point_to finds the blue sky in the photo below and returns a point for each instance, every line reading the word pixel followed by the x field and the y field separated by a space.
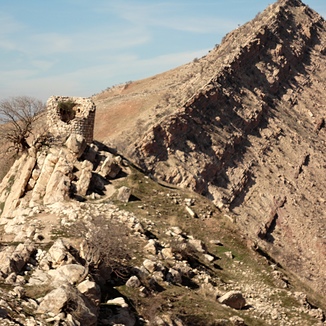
pixel 81 47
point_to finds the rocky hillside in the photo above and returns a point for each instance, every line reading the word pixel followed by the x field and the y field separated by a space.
pixel 201 202
pixel 243 126
pixel 88 239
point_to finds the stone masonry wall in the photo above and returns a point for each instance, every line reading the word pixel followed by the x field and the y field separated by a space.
pixel 67 115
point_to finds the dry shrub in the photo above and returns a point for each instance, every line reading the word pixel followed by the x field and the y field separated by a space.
pixel 108 244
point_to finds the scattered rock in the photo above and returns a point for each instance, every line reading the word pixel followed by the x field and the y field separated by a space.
pixel 118 302
pixel 198 245
pixel 167 253
pixel 150 265
pixel 151 247
pixel 237 321
pixel 191 212
pixel 229 254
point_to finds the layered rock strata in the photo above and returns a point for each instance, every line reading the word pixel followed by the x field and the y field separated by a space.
pixel 252 138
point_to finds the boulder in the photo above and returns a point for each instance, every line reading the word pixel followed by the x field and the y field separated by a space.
pixel 150 265
pixel 48 166
pixel 65 298
pixel 76 143
pixel 167 253
pixel 14 184
pixel 198 245
pixel 119 301
pixel 85 177
pixel 174 276
pixel 111 166
pixel 233 299
pixel 133 282
pixel 13 261
pixel 54 301
pixel 71 273
pixel 151 247
pixel 191 212
pixel 57 255
pixel 91 290
pixel 124 194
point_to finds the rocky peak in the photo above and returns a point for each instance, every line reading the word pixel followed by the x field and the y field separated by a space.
pixel 251 138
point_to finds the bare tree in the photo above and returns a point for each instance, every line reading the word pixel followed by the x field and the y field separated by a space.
pixel 17 115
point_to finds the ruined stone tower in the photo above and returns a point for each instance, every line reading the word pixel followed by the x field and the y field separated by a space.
pixel 71 115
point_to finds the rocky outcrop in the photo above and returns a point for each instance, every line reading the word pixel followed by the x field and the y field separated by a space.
pixel 251 136
pixel 58 173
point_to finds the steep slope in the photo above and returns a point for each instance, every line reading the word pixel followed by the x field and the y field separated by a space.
pixel 251 138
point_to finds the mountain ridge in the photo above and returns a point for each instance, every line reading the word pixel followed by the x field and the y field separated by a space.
pixel 262 95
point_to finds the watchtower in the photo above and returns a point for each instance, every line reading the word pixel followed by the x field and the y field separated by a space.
pixel 67 115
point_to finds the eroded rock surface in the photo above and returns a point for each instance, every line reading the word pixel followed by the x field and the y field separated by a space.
pixel 252 139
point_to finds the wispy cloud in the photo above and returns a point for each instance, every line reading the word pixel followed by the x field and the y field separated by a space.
pixel 120 68
pixel 167 15
pixel 9 26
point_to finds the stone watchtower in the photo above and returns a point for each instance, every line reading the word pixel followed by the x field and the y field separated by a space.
pixel 71 115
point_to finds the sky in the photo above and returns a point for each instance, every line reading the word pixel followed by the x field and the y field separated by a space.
pixel 82 47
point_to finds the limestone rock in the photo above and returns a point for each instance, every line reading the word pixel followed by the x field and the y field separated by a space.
pixel 124 194
pixel 167 253
pixel 111 166
pixel 150 265
pixel 14 260
pixel 48 166
pixel 197 245
pixel 85 177
pixel 76 143
pixel 237 321
pixel 190 212
pixel 70 273
pixel 14 185
pixel 133 282
pixel 174 276
pixel 91 290
pixel 58 186
pixel 66 297
pixel 57 255
pixel 54 301
pixel 119 301
pixel 151 247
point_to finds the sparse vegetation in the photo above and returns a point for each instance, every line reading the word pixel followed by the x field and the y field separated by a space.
pixel 17 116
pixel 66 109
pixel 108 244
